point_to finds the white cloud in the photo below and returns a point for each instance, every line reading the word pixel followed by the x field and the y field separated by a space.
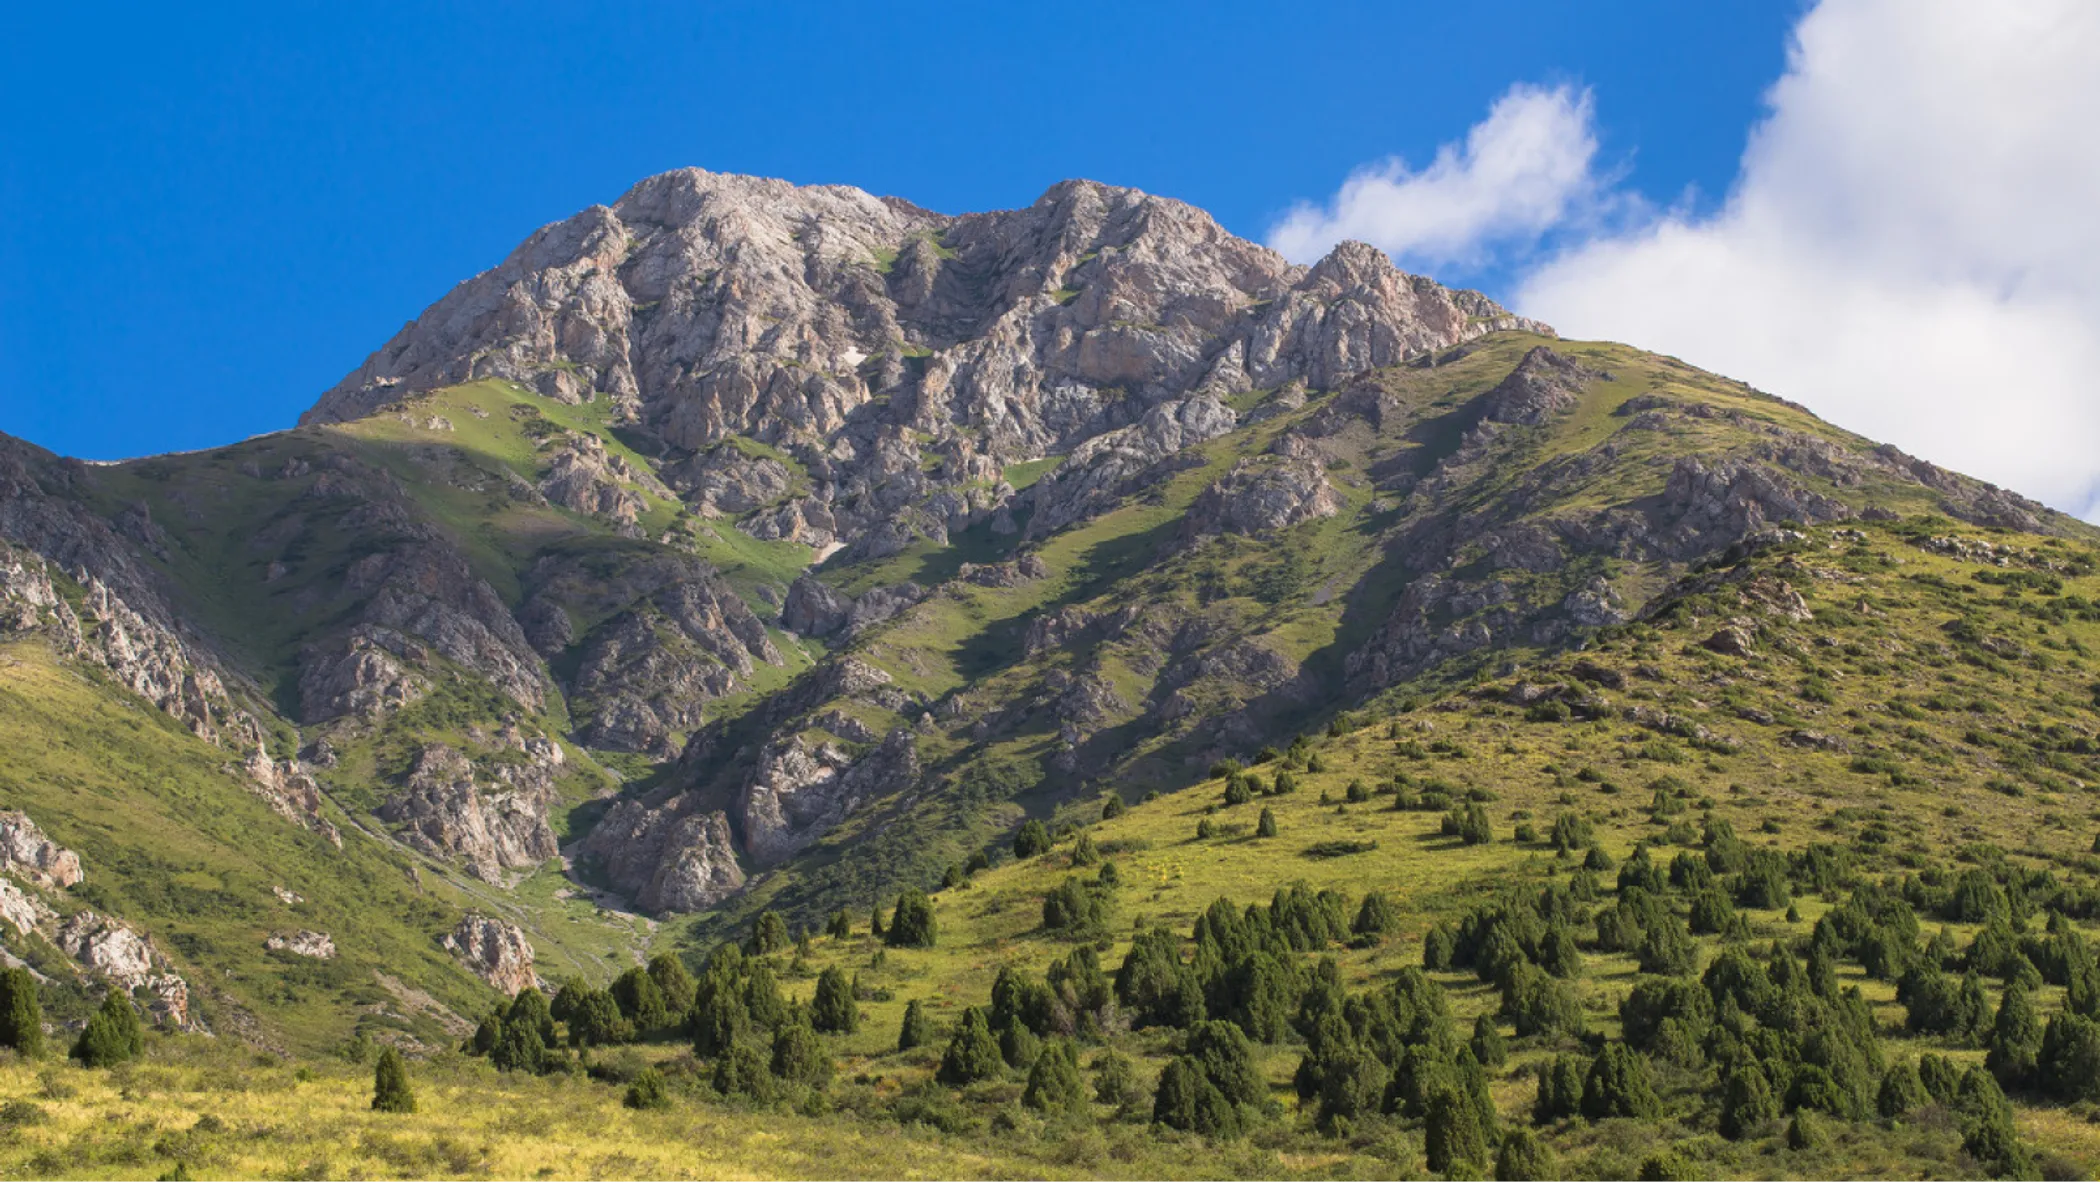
pixel 1911 248
pixel 1528 167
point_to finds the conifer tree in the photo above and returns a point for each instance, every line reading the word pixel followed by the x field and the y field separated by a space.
pixel 833 1010
pixel 1453 1141
pixel 21 1013
pixel 1054 1087
pixel 917 1030
pixel 647 1091
pixel 390 1090
pixel 674 982
pixel 972 1054
pixel 112 1035
pixel 913 926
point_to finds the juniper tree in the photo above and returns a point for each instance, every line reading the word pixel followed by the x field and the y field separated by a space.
pixel 833 1010
pixel 112 1034
pixel 21 1014
pixel 1266 826
pixel 640 1001
pixel 917 1030
pixel 799 1056
pixel 390 1090
pixel 1032 840
pixel 973 1053
pixel 647 1091
pixel 1525 1158
pixel 1453 1141
pixel 769 934
pixel 1054 1086
pixel 675 983
pixel 912 925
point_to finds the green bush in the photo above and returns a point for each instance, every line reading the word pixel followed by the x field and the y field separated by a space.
pixel 647 1091
pixel 972 1054
pixel 112 1035
pixel 390 1090
pixel 913 925
pixel 832 1010
pixel 21 1013
pixel 1032 840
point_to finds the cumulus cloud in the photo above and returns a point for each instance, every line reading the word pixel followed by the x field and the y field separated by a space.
pixel 1910 247
pixel 1528 167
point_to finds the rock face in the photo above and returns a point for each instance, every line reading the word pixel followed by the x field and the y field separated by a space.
pixel 707 306
pixel 290 792
pixel 801 790
pixel 492 823
pixel 1260 498
pixel 117 952
pixel 26 853
pixel 22 911
pixel 316 945
pixel 1542 385
pixel 669 857
pixel 495 950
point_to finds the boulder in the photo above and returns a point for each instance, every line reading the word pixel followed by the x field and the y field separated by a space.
pixel 495 950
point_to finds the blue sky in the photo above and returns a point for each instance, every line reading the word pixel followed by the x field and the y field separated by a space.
pixel 211 214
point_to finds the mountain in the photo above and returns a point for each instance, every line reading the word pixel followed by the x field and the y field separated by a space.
pixel 741 547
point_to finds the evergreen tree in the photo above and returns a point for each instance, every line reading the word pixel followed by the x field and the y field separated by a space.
pixel 1018 1045
pixel 1054 1086
pixel 640 1001
pixel 1560 1089
pixel 1988 1132
pixel 769 934
pixel 840 926
pixel 21 1013
pixel 741 1071
pixel 1226 1058
pixel 1747 1103
pixel 1112 807
pixel 799 1056
pixel 1805 1132
pixel 675 983
pixel 875 921
pixel 1618 1084
pixel 1188 1101
pixel 1376 916
pixel 1032 840
pixel 647 1091
pixel 2068 1063
pixel 1237 792
pixel 973 1053
pixel 1901 1091
pixel 596 1021
pixel 1487 1044
pixel 390 1090
pixel 1115 1078
pixel 913 926
pixel 917 1029
pixel 112 1035
pixel 2016 1039
pixel 1266 826
pixel 1525 1158
pixel 718 1015
pixel 833 1010
pixel 520 1048
pixel 1453 1140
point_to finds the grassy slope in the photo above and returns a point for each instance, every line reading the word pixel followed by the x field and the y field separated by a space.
pixel 171 840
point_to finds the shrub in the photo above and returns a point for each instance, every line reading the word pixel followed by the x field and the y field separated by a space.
pixel 912 925
pixel 1112 807
pixel 1266 827
pixel 1187 1101
pixel 1747 1103
pixel 676 984
pixel 840 926
pixel 1487 1043
pixel 1453 1140
pixel 1560 1089
pixel 595 1020
pixel 1901 1091
pixel 640 1001
pixel 799 1056
pixel 1237 792
pixel 647 1091
pixel 769 934
pixel 390 1090
pixel 742 1071
pixel 1376 916
pixel 1115 1078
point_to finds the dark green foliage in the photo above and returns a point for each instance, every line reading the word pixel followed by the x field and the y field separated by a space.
pixel 1112 807
pixel 1572 832
pixel 1187 1101
pixel 2068 1060
pixel 912 925
pixel 769 934
pixel 390 1090
pixel 1666 1166
pixel 742 1071
pixel 640 1001
pixel 1469 824
pixel 1266 826
pixel 1237 792
pixel 1225 1057
pixel 1805 1133
pixel 675 983
pixel 2015 1040
pixel 1938 1003
pixel 1075 907
pixel 1666 949
pixel 1988 1132
pixel 648 1091
pixel 799 1055
pixel 595 1020
pixel 1033 839
pixel 21 1013
pixel 840 926
pixel 1901 1091
pixel 832 1009
pixel 1619 1084
pixel 112 1035
pixel 1453 1141
pixel 973 1053
pixel 1018 1045
pixel 1115 1079
pixel 1560 1089
pixel 917 1028
pixel 1525 1158
pixel 1154 987
pixel 1054 1085
pixel 1747 1103
pixel 1376 917
pixel 1538 1004
pixel 762 1000
pixel 1487 1044
pixel 718 1015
